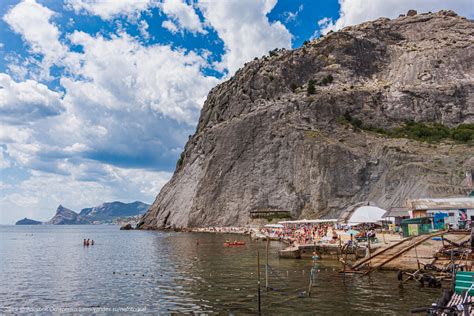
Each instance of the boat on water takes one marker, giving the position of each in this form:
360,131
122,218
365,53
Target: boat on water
234,243
290,253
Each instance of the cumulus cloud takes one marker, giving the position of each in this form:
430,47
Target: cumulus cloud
126,76
127,105
23,102
143,29
358,11
5,162
110,9
183,14
246,33
32,21
292,16
170,26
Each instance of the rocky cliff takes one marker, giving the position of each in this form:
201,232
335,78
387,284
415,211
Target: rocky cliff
104,213
301,130
113,210
65,216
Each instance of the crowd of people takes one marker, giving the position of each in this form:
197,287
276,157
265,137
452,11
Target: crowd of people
310,233
304,233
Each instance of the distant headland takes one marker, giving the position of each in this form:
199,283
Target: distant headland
101,214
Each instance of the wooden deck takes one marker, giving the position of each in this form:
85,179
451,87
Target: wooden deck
380,258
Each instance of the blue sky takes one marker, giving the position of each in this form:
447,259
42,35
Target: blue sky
98,97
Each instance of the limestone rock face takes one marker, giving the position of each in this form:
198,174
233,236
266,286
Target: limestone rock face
110,211
263,143
65,216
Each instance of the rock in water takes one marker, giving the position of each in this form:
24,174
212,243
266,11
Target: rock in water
126,227
265,143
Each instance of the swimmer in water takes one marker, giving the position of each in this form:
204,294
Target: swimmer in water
92,242
85,242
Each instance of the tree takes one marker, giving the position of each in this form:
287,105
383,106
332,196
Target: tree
311,87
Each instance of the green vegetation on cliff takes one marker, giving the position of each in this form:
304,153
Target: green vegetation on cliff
419,131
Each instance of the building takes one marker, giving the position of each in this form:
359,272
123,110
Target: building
416,226
396,215
456,212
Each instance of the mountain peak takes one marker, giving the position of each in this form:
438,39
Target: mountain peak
308,132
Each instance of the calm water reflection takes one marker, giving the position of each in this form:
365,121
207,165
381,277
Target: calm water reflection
43,266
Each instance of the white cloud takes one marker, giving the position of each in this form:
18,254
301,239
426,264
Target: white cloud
170,26
357,11
23,102
32,21
4,161
124,104
14,134
292,16
244,27
110,9
183,14
126,76
143,29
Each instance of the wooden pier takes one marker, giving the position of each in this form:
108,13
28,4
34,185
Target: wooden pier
380,258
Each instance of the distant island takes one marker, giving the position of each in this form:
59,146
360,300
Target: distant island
27,221
102,214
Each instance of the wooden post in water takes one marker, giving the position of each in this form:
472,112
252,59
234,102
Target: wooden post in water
310,284
266,265
258,282
416,254
340,248
345,258
368,245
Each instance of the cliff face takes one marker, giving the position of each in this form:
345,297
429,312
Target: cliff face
106,212
263,143
65,216
112,210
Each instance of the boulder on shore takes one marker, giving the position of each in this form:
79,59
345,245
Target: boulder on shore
126,227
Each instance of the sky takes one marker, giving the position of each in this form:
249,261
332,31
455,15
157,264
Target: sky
98,97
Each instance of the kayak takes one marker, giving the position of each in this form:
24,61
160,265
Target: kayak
234,243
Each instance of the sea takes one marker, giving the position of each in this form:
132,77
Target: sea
46,269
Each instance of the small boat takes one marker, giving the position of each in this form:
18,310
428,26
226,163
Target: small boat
234,243
290,253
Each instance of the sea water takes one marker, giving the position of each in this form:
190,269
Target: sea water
47,269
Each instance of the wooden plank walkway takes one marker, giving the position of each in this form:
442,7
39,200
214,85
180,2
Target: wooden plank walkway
361,262
384,256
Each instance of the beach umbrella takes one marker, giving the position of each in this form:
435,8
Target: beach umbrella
351,232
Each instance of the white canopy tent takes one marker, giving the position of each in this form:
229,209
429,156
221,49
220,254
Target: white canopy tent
309,221
366,214
274,226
